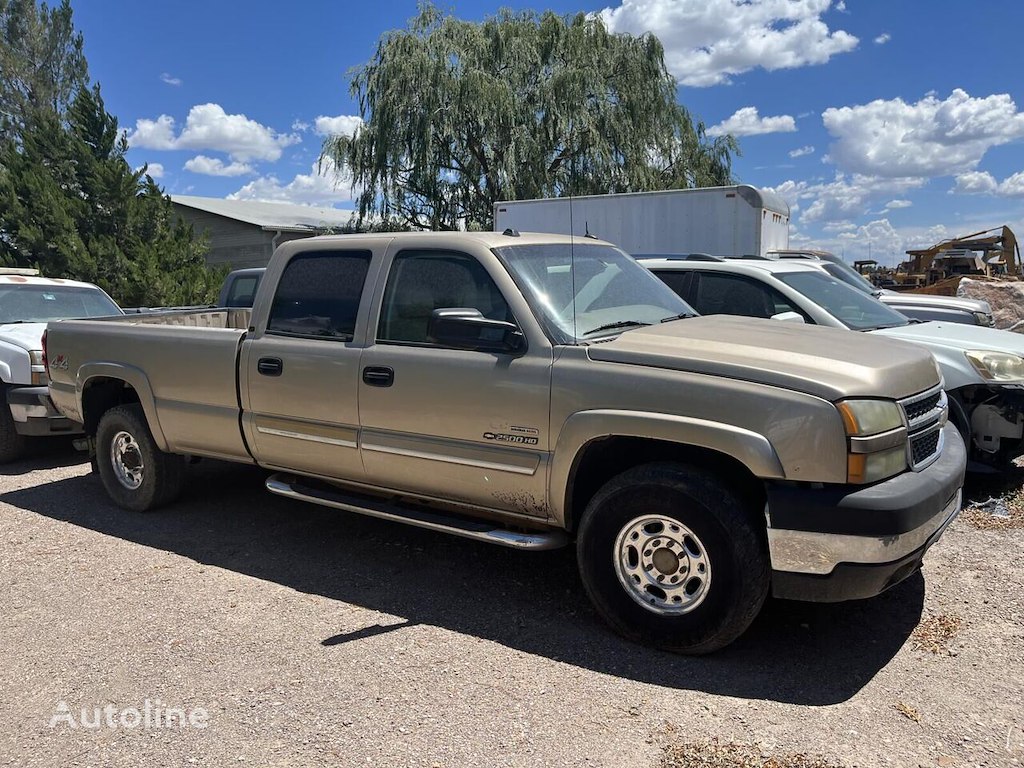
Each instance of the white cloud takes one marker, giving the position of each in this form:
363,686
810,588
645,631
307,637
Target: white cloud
212,166
984,183
156,170
153,134
300,125
209,127
709,41
808,150
746,122
928,138
893,205
321,186
883,38
843,198
170,80
339,125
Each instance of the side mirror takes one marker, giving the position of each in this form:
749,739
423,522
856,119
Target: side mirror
789,317
464,328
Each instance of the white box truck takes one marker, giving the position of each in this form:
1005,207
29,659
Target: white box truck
722,221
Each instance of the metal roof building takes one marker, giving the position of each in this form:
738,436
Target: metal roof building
244,233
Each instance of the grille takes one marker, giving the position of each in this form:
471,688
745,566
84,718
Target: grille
915,410
923,446
924,414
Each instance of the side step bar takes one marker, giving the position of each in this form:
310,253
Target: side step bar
296,488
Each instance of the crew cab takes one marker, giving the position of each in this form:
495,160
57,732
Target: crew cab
983,368
27,303
527,390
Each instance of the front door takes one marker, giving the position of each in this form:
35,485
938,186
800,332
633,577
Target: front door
452,424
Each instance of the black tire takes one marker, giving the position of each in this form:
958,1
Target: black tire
729,535
160,475
12,445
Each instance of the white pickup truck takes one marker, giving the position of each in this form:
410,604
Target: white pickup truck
27,303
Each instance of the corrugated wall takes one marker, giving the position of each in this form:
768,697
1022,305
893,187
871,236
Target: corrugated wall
234,242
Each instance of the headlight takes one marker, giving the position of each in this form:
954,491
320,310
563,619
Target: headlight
997,366
38,369
876,439
869,417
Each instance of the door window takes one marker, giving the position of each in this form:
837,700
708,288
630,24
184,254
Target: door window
422,281
318,295
718,294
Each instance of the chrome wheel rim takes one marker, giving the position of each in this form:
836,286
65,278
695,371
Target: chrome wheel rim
662,565
126,460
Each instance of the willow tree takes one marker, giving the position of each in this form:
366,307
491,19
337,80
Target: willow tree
459,115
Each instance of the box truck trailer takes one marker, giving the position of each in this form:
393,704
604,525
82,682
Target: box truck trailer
722,221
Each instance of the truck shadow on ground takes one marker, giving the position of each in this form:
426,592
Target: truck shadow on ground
46,453
532,602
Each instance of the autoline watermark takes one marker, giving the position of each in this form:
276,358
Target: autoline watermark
152,714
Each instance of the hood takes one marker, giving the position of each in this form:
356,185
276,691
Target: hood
927,300
956,336
28,336
826,362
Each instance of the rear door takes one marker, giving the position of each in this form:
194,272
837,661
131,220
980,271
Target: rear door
300,373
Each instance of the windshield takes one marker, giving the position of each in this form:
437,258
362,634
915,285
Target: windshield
850,276
39,303
581,292
856,310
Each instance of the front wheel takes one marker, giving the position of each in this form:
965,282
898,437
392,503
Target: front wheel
671,557
136,474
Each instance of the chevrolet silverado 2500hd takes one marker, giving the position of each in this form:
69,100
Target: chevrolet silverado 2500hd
527,389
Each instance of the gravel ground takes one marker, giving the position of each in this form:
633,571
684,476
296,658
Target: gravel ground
314,637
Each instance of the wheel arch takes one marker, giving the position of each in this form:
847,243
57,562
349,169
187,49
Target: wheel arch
594,446
106,385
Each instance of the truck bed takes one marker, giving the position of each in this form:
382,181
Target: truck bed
191,383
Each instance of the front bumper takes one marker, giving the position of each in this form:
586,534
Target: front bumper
34,414
846,542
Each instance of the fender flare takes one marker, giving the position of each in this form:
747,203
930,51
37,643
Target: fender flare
131,375
752,450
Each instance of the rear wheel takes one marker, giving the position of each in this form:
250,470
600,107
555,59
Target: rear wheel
671,557
135,472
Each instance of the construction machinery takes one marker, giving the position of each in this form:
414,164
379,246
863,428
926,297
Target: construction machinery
991,252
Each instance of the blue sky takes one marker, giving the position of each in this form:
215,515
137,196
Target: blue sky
881,128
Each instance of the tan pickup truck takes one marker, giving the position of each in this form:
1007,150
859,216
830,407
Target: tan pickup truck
527,390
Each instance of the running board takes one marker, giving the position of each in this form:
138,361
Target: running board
293,487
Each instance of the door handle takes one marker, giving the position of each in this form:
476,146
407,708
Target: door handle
270,366
378,376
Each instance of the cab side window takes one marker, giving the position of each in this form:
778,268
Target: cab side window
718,294
422,281
318,295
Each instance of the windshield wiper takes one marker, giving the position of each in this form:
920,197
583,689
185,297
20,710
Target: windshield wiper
680,316
612,326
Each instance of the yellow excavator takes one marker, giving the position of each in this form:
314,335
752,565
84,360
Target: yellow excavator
991,252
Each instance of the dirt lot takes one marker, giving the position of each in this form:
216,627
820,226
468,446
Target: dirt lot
308,637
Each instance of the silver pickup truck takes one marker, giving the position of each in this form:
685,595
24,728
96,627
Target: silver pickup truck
527,390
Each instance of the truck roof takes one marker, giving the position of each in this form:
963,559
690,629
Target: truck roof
33,280
740,266
488,239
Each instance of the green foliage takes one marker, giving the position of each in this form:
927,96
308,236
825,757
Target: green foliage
71,205
460,115
42,64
